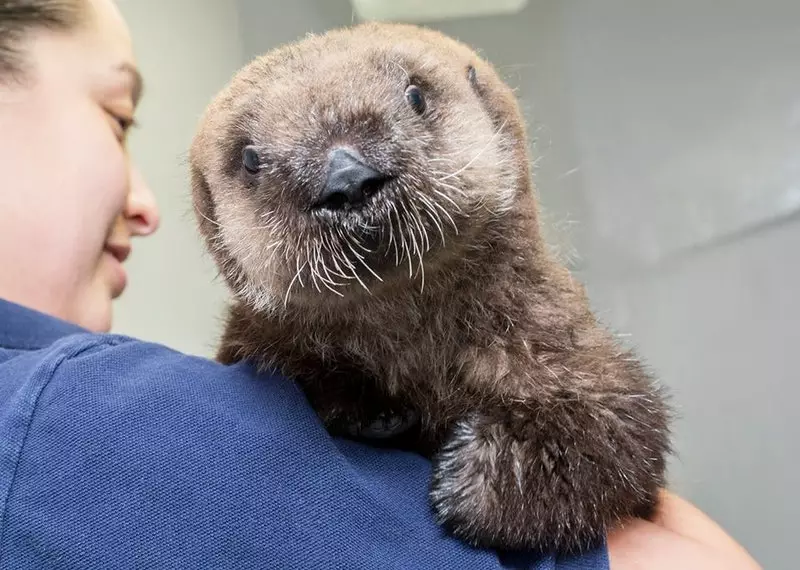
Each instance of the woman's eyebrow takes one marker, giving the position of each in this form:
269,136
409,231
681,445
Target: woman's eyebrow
136,80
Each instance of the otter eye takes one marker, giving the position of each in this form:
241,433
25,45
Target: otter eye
250,159
472,75
415,98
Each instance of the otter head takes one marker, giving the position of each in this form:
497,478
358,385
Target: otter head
350,164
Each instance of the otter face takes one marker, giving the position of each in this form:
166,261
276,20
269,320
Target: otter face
334,165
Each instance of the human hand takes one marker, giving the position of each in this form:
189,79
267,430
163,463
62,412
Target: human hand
680,536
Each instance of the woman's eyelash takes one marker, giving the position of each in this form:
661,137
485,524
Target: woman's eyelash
127,123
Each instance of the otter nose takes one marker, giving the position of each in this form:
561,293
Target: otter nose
349,182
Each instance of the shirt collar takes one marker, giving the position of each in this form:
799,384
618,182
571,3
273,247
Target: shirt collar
26,329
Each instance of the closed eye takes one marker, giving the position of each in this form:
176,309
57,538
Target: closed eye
126,123
123,123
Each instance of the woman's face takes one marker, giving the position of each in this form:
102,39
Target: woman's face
70,200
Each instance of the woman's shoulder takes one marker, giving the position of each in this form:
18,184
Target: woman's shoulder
45,361
112,443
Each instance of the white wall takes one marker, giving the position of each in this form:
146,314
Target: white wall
721,329
686,115
187,50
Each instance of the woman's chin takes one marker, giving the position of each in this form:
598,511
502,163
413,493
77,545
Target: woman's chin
98,318
117,276
95,311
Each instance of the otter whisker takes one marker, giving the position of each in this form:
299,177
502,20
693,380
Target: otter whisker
393,241
408,75
339,272
414,180
336,252
354,271
295,254
357,241
463,148
363,262
345,239
291,284
446,197
224,227
332,290
393,209
455,189
447,214
313,266
467,165
432,215
216,223
286,255
413,236
299,271
329,281
391,233
403,233
422,272
408,237
320,260
417,219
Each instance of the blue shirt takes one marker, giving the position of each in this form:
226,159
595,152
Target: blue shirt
118,453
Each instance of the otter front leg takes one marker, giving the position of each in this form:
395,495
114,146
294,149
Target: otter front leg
351,404
557,464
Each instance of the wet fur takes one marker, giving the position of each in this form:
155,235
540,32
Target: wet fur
439,296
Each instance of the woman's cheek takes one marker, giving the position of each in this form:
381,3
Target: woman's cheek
107,190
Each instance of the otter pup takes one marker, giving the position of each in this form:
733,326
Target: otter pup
367,196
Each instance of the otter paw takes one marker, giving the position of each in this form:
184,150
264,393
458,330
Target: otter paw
497,485
386,424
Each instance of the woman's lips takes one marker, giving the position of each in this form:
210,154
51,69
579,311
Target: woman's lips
119,251
118,254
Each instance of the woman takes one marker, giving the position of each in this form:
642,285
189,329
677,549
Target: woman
118,453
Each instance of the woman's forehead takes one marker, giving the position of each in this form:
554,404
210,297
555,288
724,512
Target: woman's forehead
111,50
109,33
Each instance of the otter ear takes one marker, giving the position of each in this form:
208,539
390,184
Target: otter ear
483,89
472,76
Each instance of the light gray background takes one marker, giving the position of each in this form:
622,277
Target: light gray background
667,138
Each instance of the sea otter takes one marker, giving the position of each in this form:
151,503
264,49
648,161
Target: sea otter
367,195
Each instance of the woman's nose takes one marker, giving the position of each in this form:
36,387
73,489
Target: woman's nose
141,211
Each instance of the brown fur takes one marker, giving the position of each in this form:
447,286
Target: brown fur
439,296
